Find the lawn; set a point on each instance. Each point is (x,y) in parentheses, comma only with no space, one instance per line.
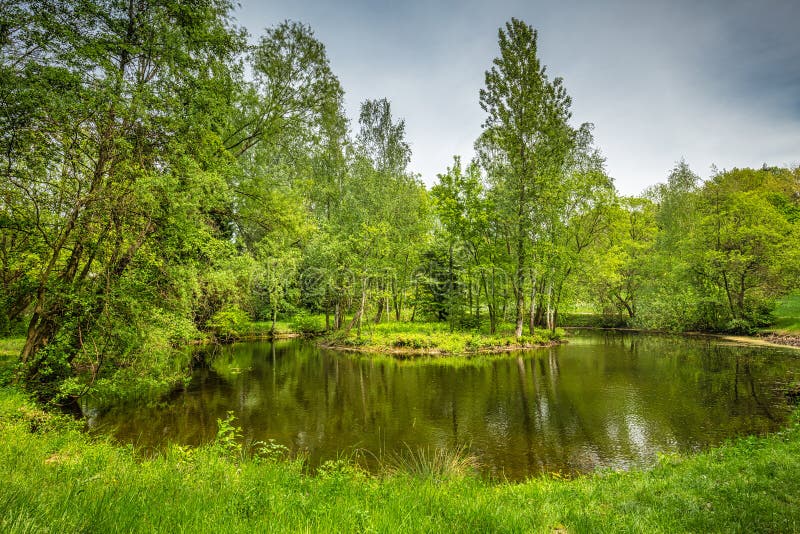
(787,315)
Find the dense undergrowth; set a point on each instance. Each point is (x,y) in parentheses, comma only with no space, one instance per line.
(56,478)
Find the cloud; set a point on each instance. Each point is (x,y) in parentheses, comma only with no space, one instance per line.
(715,82)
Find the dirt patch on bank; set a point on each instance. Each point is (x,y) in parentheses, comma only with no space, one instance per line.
(783,340)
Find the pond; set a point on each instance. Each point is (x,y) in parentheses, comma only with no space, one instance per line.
(605,399)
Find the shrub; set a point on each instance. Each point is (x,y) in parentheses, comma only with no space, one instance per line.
(740,326)
(414,342)
(307,324)
(229,436)
(230,322)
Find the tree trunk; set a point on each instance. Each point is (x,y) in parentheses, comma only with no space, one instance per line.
(532,306)
(741,292)
(416,298)
(360,312)
(490,304)
(728,294)
(40,331)
(478,303)
(519,279)
(469,291)
(397,300)
(626,305)
(450,289)
(519,284)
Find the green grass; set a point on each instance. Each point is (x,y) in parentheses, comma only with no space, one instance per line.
(53,478)
(10,347)
(787,315)
(434,338)
(264,329)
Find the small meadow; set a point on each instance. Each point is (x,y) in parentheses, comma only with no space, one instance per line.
(787,316)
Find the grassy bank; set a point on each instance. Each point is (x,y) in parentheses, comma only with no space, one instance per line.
(54,478)
(264,330)
(433,339)
(787,316)
(9,355)
(10,348)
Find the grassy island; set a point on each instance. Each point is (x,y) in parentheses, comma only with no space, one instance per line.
(435,339)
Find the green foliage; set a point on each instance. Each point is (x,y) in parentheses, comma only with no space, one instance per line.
(308,324)
(524,146)
(116,167)
(740,326)
(269,451)
(229,323)
(712,256)
(229,436)
(437,338)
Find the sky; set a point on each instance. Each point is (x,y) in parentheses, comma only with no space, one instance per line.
(715,82)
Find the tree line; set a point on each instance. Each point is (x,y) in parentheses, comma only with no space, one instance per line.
(161,176)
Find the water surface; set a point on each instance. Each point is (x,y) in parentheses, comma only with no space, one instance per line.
(602,400)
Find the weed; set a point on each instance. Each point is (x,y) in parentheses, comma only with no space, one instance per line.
(436,464)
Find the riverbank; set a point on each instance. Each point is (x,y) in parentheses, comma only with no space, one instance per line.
(764,339)
(784,331)
(433,339)
(57,479)
(254,331)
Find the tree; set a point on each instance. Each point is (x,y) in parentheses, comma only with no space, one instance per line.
(677,204)
(575,213)
(465,210)
(294,93)
(743,245)
(525,140)
(117,155)
(381,139)
(620,261)
(373,221)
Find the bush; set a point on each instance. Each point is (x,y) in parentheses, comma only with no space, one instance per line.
(308,324)
(740,326)
(230,322)
(414,342)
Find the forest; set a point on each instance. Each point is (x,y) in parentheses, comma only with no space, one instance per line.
(167,177)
